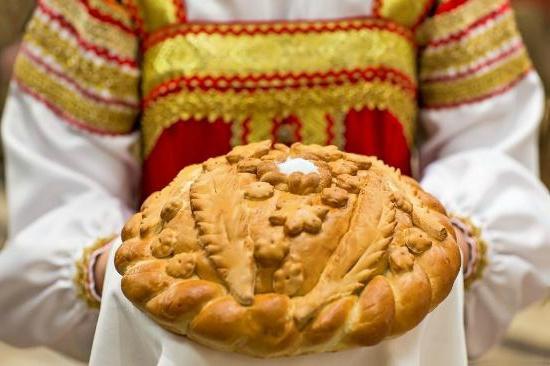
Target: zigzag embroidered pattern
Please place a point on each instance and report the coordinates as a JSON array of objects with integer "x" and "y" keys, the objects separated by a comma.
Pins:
[
  {"x": 89, "y": 80},
  {"x": 253, "y": 75},
  {"x": 474, "y": 51}
]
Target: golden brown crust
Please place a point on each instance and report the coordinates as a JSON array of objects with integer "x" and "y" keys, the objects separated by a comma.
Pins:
[{"x": 241, "y": 257}]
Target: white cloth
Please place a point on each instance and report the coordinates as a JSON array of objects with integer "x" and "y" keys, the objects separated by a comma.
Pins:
[
  {"x": 126, "y": 336},
  {"x": 484, "y": 166},
  {"x": 67, "y": 187}
]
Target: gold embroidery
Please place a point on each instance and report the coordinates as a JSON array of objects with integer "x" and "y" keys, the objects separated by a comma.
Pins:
[
  {"x": 456, "y": 55},
  {"x": 82, "y": 272},
  {"x": 339, "y": 130},
  {"x": 95, "y": 31},
  {"x": 314, "y": 126},
  {"x": 482, "y": 261},
  {"x": 459, "y": 19},
  {"x": 95, "y": 75},
  {"x": 217, "y": 54},
  {"x": 157, "y": 13},
  {"x": 237, "y": 128},
  {"x": 90, "y": 113},
  {"x": 264, "y": 106},
  {"x": 477, "y": 86},
  {"x": 260, "y": 123},
  {"x": 404, "y": 12}
]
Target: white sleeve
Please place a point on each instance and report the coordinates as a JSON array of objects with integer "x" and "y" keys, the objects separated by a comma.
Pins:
[
  {"x": 481, "y": 114},
  {"x": 66, "y": 188}
]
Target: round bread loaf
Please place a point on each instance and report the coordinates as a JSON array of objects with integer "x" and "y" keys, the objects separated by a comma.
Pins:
[{"x": 284, "y": 251}]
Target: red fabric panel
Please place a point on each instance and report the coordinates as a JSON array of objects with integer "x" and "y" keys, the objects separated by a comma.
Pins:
[
  {"x": 378, "y": 133},
  {"x": 368, "y": 132},
  {"x": 180, "y": 145}
]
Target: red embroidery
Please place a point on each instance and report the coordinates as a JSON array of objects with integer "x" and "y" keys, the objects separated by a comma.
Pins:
[
  {"x": 240, "y": 83},
  {"x": 86, "y": 93},
  {"x": 264, "y": 28},
  {"x": 495, "y": 93},
  {"x": 505, "y": 8},
  {"x": 64, "y": 116},
  {"x": 135, "y": 14},
  {"x": 518, "y": 47},
  {"x": 98, "y": 51},
  {"x": 96, "y": 13}
]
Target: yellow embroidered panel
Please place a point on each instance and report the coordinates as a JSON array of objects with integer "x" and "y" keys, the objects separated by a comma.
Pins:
[
  {"x": 484, "y": 57},
  {"x": 306, "y": 47},
  {"x": 81, "y": 62},
  {"x": 264, "y": 72}
]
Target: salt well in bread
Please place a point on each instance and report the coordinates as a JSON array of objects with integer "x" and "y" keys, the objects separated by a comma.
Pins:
[{"x": 297, "y": 165}]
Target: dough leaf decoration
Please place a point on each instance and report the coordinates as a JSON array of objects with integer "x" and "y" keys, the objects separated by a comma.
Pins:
[{"x": 222, "y": 222}]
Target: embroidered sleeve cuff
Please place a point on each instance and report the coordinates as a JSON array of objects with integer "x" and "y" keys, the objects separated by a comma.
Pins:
[
  {"x": 477, "y": 258},
  {"x": 84, "y": 278}
]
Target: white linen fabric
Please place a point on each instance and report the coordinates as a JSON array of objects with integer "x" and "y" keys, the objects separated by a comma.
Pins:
[
  {"x": 126, "y": 336},
  {"x": 67, "y": 187},
  {"x": 483, "y": 164}
]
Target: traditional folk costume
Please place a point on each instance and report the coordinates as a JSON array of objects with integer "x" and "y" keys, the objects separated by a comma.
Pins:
[{"x": 187, "y": 80}]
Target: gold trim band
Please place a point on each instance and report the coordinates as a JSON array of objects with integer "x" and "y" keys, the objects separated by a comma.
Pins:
[
  {"x": 97, "y": 116},
  {"x": 94, "y": 30},
  {"x": 227, "y": 54},
  {"x": 444, "y": 25},
  {"x": 261, "y": 107},
  {"x": 456, "y": 55},
  {"x": 476, "y": 86},
  {"x": 119, "y": 83}
]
